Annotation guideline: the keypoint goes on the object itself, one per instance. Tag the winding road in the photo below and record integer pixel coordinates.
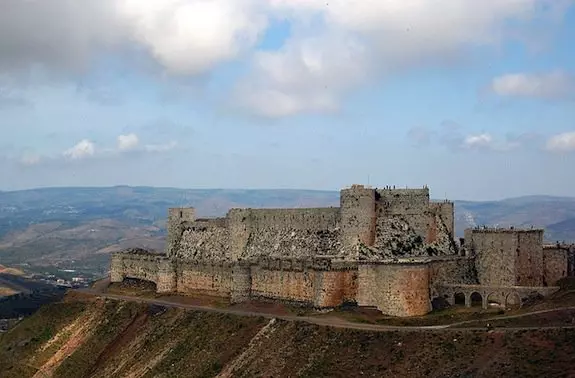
(339, 323)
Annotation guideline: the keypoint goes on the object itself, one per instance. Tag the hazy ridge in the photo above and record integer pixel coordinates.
(80, 226)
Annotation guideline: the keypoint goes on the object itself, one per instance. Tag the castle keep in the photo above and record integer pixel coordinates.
(392, 249)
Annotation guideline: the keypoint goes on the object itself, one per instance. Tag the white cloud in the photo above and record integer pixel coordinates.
(191, 37)
(128, 142)
(561, 142)
(59, 35)
(335, 46)
(478, 141)
(83, 149)
(184, 36)
(321, 62)
(305, 75)
(555, 84)
(457, 138)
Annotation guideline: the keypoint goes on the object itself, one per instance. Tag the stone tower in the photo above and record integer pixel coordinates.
(507, 257)
(176, 217)
(358, 216)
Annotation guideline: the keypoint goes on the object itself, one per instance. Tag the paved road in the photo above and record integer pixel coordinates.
(329, 322)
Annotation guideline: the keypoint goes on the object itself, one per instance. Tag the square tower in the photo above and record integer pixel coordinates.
(507, 257)
(176, 217)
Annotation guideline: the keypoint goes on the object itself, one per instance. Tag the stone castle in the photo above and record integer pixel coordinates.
(392, 249)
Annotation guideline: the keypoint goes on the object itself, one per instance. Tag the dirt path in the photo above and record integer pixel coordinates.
(337, 323)
(505, 317)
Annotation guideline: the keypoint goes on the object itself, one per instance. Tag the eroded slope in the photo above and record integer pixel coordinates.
(87, 337)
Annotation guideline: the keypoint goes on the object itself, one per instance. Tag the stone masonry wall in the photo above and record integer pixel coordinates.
(310, 219)
(141, 269)
(291, 286)
(395, 289)
(204, 278)
(291, 243)
(335, 287)
(358, 218)
(495, 257)
(403, 201)
(148, 267)
(251, 233)
(204, 241)
(117, 267)
(555, 263)
(303, 283)
(241, 283)
(410, 204)
(529, 258)
(446, 211)
(176, 217)
(452, 270)
(507, 257)
(166, 281)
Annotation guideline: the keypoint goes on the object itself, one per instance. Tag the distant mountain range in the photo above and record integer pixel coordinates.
(78, 227)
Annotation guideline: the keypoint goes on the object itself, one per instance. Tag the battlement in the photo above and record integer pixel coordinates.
(358, 187)
(508, 230)
(559, 246)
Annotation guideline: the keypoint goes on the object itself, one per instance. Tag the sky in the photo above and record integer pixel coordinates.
(475, 99)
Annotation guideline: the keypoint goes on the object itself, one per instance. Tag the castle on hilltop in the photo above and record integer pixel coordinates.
(392, 249)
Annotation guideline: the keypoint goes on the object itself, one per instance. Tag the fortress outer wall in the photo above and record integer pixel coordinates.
(395, 289)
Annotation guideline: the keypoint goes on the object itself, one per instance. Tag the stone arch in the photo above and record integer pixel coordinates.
(459, 298)
(476, 299)
(495, 298)
(513, 300)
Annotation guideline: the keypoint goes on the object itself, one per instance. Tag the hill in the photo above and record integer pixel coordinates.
(76, 228)
(86, 336)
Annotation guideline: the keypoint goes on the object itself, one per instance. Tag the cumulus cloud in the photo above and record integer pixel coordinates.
(457, 138)
(191, 37)
(398, 35)
(564, 142)
(183, 36)
(307, 74)
(335, 46)
(128, 142)
(478, 141)
(131, 142)
(555, 84)
(58, 35)
(83, 149)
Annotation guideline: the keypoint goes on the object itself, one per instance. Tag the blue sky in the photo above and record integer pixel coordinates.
(474, 99)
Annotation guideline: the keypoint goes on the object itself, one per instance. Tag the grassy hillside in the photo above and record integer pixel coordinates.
(88, 337)
(76, 228)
